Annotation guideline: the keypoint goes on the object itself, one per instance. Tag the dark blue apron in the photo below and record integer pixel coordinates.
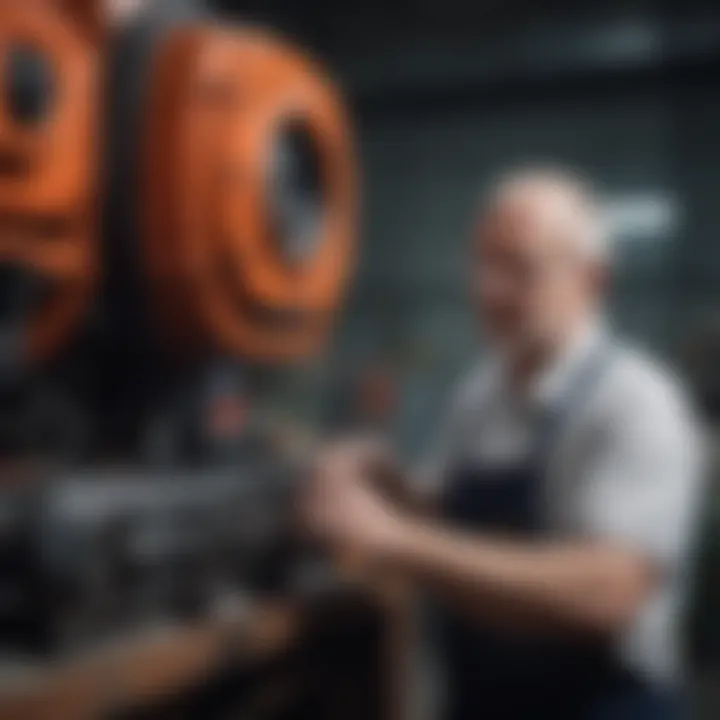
(496, 675)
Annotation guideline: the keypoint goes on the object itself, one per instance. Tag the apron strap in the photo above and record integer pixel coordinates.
(584, 380)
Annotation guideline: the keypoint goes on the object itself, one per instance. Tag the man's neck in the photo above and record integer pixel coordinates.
(533, 359)
(527, 364)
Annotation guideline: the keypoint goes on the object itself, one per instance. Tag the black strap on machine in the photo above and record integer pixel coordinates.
(127, 338)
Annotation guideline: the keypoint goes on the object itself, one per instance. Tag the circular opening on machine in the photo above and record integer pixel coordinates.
(298, 193)
(29, 84)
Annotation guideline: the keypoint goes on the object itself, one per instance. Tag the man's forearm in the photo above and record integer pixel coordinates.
(581, 587)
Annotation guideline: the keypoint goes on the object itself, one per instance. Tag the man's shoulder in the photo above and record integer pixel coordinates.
(639, 383)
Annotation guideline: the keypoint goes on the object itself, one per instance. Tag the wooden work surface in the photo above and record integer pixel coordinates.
(158, 663)
(145, 667)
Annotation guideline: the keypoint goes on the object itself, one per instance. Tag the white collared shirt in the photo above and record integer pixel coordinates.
(625, 468)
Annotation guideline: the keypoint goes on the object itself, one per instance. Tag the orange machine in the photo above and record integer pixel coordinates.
(194, 186)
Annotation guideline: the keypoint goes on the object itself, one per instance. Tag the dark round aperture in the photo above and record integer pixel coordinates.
(29, 84)
(297, 191)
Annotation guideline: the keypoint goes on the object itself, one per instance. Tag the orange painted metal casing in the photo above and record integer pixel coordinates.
(220, 280)
(48, 207)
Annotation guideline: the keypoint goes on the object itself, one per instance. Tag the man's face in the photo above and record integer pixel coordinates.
(530, 279)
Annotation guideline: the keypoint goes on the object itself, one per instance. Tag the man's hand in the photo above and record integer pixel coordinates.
(342, 508)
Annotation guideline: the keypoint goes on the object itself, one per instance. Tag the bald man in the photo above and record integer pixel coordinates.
(564, 494)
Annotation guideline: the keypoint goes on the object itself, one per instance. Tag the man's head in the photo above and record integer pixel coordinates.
(541, 257)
